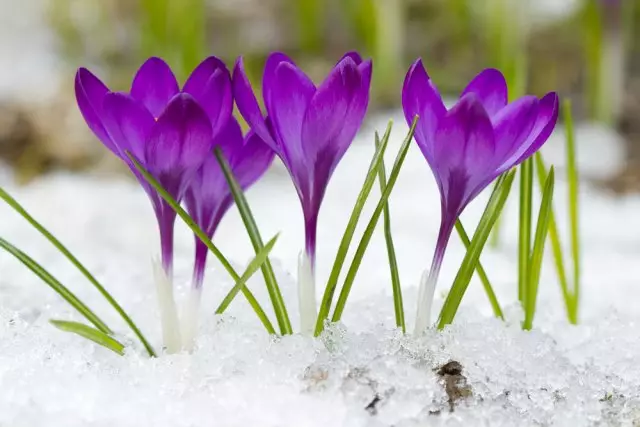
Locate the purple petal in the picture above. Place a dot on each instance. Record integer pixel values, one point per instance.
(252, 160)
(291, 92)
(420, 96)
(181, 139)
(543, 127)
(355, 56)
(269, 76)
(154, 85)
(128, 123)
(490, 87)
(208, 197)
(90, 92)
(248, 104)
(326, 114)
(210, 85)
(464, 151)
(512, 126)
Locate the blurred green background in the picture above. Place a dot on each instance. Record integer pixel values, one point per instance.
(588, 50)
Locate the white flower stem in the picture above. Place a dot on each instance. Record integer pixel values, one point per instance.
(189, 317)
(425, 301)
(306, 294)
(167, 306)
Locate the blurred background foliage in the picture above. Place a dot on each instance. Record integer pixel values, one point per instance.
(586, 49)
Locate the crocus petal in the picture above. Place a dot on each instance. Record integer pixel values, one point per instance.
(248, 104)
(420, 96)
(128, 123)
(252, 160)
(269, 76)
(328, 113)
(291, 92)
(181, 138)
(543, 127)
(210, 85)
(90, 93)
(154, 85)
(512, 126)
(490, 87)
(463, 152)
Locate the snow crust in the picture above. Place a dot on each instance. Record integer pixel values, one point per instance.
(363, 372)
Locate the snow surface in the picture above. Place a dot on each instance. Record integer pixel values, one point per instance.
(556, 375)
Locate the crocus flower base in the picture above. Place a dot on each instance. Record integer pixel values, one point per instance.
(167, 307)
(306, 294)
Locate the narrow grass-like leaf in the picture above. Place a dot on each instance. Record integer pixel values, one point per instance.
(524, 230)
(92, 334)
(368, 232)
(391, 252)
(572, 179)
(343, 248)
(556, 245)
(275, 295)
(471, 258)
(203, 238)
(253, 266)
(537, 253)
(64, 251)
(55, 284)
(486, 284)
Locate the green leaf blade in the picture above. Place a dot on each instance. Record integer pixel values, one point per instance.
(524, 226)
(469, 263)
(345, 242)
(486, 284)
(55, 284)
(537, 254)
(368, 233)
(273, 289)
(574, 225)
(91, 334)
(85, 272)
(398, 306)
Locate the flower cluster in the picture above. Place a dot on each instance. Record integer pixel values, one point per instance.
(172, 131)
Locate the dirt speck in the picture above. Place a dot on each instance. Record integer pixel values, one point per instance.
(455, 384)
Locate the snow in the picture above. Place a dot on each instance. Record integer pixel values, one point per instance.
(363, 372)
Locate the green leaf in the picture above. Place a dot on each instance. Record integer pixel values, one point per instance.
(572, 179)
(343, 248)
(391, 252)
(275, 295)
(58, 245)
(493, 300)
(54, 284)
(469, 263)
(524, 232)
(90, 333)
(556, 244)
(537, 254)
(253, 266)
(368, 232)
(203, 238)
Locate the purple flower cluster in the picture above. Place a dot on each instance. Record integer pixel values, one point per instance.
(172, 132)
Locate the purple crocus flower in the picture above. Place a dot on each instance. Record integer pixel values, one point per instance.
(470, 145)
(169, 130)
(310, 129)
(208, 197)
